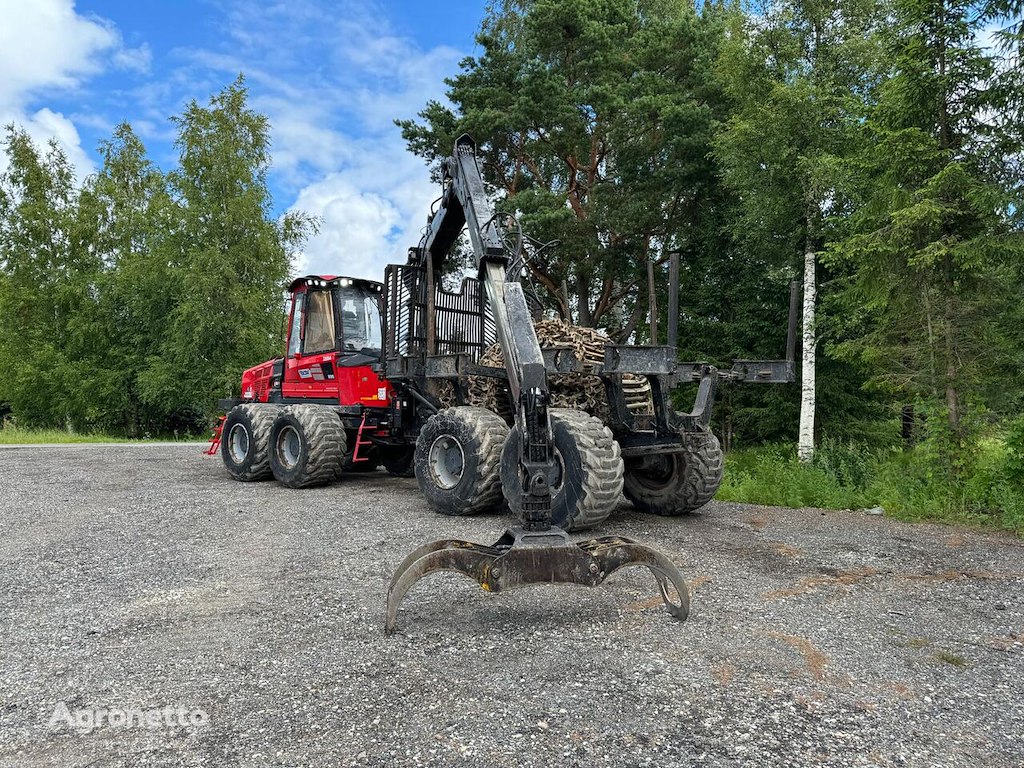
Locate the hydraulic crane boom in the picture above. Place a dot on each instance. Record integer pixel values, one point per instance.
(538, 552)
(465, 203)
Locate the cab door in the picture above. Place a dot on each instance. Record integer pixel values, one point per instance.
(309, 371)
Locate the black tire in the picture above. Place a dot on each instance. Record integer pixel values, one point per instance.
(589, 485)
(674, 484)
(399, 461)
(503, 404)
(307, 445)
(245, 441)
(457, 458)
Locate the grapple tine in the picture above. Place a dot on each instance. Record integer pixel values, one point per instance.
(433, 546)
(615, 553)
(463, 557)
(521, 558)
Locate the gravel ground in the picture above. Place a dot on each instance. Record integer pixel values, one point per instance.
(142, 577)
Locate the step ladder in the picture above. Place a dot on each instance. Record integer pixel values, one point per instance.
(360, 442)
(215, 437)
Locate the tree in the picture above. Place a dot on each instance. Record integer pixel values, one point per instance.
(930, 246)
(131, 304)
(227, 259)
(44, 280)
(128, 216)
(800, 75)
(1004, 164)
(595, 121)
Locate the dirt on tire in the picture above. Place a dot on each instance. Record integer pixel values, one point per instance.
(678, 483)
(255, 420)
(590, 465)
(478, 435)
(320, 450)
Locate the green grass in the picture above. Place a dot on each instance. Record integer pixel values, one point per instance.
(909, 485)
(10, 435)
(772, 475)
(951, 658)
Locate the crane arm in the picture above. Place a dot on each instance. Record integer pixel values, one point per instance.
(465, 203)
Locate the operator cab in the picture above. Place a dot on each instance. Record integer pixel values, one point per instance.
(335, 314)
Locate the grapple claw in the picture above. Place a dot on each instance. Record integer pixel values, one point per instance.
(615, 552)
(520, 558)
(445, 555)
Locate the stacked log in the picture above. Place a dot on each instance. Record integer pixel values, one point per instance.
(582, 390)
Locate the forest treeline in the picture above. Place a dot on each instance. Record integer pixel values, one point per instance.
(130, 303)
(874, 145)
(879, 141)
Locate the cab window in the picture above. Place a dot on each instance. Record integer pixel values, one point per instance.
(294, 333)
(319, 335)
(360, 321)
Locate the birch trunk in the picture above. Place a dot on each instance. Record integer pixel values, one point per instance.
(805, 446)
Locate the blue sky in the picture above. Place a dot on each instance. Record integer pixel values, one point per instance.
(331, 76)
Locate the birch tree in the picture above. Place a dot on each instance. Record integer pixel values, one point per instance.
(800, 76)
(44, 282)
(229, 258)
(126, 216)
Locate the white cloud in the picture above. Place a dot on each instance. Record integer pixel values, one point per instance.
(44, 125)
(45, 45)
(304, 144)
(331, 95)
(136, 59)
(356, 226)
(330, 76)
(413, 80)
(372, 211)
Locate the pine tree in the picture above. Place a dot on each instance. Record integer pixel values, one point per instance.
(595, 122)
(931, 241)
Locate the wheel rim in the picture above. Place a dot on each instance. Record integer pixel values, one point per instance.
(556, 485)
(447, 462)
(654, 472)
(289, 446)
(238, 443)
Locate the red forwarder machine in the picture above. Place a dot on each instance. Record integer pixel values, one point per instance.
(374, 376)
(323, 406)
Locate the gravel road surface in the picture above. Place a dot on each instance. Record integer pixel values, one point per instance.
(245, 622)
